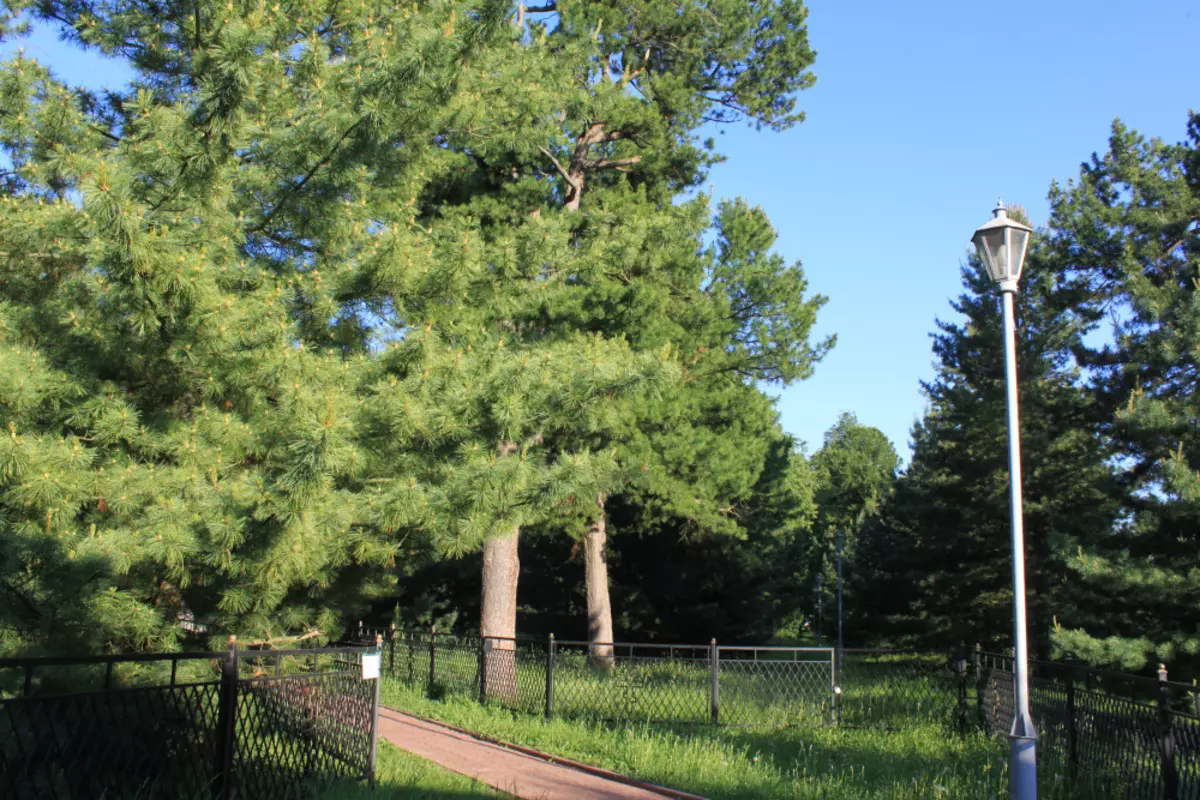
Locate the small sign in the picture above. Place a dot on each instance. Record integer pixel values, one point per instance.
(371, 663)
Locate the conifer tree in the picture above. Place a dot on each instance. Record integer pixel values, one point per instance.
(854, 474)
(1127, 230)
(606, 103)
(938, 563)
(204, 266)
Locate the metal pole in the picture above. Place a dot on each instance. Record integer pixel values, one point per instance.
(714, 675)
(819, 614)
(840, 537)
(372, 756)
(224, 787)
(1023, 736)
(550, 653)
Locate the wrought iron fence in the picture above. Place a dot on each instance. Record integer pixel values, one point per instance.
(262, 724)
(1137, 737)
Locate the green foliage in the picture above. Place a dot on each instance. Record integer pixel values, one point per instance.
(936, 566)
(242, 375)
(1126, 230)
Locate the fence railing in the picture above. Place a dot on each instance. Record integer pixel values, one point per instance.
(238, 723)
(690, 684)
(1137, 737)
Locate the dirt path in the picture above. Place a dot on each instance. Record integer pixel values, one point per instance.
(520, 774)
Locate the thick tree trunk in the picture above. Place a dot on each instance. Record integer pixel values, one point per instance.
(599, 606)
(498, 615)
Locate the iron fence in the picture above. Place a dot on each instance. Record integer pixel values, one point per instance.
(262, 724)
(893, 689)
(687, 684)
(1135, 736)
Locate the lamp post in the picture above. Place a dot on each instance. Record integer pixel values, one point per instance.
(840, 537)
(819, 614)
(1001, 244)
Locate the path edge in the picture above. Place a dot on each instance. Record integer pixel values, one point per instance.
(599, 772)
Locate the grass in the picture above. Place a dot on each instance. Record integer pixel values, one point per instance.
(402, 775)
(927, 762)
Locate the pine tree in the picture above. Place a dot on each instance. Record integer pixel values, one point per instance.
(186, 429)
(1127, 230)
(599, 137)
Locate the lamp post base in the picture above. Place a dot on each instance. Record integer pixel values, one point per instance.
(1022, 779)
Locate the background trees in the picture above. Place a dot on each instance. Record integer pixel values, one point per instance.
(331, 305)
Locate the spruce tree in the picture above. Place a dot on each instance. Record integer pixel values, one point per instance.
(938, 562)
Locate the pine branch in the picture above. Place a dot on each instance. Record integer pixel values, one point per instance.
(299, 186)
(561, 169)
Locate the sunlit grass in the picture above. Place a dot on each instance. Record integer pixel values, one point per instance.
(925, 760)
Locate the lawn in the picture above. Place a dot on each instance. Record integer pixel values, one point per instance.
(928, 761)
(900, 738)
(402, 775)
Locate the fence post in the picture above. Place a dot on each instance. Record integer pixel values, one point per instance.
(982, 670)
(392, 651)
(432, 656)
(375, 716)
(960, 669)
(412, 656)
(714, 660)
(483, 642)
(1166, 738)
(227, 722)
(1072, 730)
(551, 652)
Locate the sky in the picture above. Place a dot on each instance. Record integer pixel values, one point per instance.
(922, 115)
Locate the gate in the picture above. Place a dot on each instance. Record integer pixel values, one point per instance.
(773, 685)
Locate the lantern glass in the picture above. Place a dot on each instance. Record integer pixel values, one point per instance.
(993, 252)
(1001, 245)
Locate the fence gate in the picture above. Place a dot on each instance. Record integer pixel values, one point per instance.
(773, 685)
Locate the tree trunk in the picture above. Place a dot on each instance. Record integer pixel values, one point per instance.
(599, 606)
(498, 615)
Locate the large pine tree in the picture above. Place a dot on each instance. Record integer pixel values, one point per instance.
(1129, 230)
(597, 139)
(206, 278)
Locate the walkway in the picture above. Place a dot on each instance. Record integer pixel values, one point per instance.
(521, 774)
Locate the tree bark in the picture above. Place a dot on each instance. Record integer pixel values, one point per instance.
(599, 605)
(498, 615)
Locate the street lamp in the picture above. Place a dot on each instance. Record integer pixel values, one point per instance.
(1001, 244)
(819, 609)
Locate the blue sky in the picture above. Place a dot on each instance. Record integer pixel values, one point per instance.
(922, 115)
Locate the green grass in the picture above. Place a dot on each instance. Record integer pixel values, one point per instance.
(403, 775)
(928, 760)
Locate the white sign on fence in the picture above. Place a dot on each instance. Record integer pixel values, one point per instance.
(371, 663)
